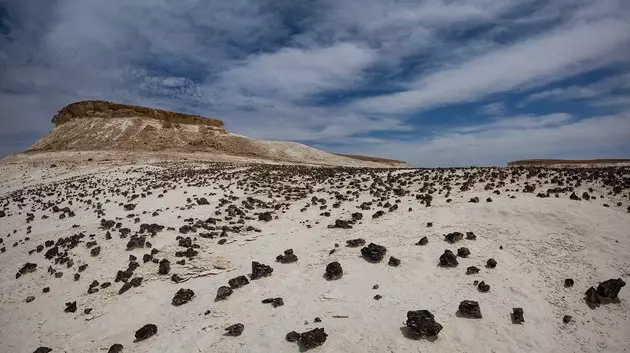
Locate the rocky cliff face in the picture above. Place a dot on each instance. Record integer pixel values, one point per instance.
(103, 109)
(110, 127)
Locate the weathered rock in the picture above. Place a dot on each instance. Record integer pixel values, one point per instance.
(378, 297)
(463, 252)
(483, 287)
(235, 330)
(165, 267)
(448, 259)
(471, 236)
(313, 338)
(373, 252)
(182, 296)
(422, 323)
(567, 318)
(333, 271)
(517, 315)
(287, 258)
(70, 307)
(145, 332)
(610, 289)
(474, 200)
(223, 293)
(568, 282)
(470, 309)
(393, 261)
(292, 336)
(355, 243)
(43, 350)
(423, 241)
(30, 298)
(95, 251)
(491, 263)
(265, 216)
(453, 237)
(27, 268)
(472, 270)
(115, 348)
(275, 302)
(260, 270)
(238, 282)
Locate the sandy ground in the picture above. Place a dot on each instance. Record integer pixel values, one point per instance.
(544, 241)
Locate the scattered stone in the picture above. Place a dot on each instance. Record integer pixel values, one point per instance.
(287, 258)
(43, 350)
(275, 302)
(567, 318)
(474, 200)
(453, 237)
(235, 330)
(182, 296)
(606, 292)
(491, 263)
(292, 336)
(355, 243)
(378, 297)
(448, 259)
(313, 338)
(238, 282)
(517, 315)
(165, 267)
(115, 348)
(568, 282)
(470, 309)
(373, 253)
(71, 307)
(375, 286)
(483, 287)
(146, 331)
(463, 252)
(223, 293)
(333, 271)
(46, 289)
(423, 241)
(393, 261)
(30, 298)
(260, 270)
(471, 236)
(422, 323)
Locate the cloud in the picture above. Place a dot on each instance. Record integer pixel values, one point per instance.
(496, 108)
(536, 61)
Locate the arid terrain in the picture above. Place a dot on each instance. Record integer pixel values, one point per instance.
(161, 250)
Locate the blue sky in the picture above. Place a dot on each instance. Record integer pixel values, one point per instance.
(435, 83)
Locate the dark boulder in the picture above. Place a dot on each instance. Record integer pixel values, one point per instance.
(238, 282)
(463, 252)
(448, 259)
(165, 267)
(333, 271)
(393, 261)
(483, 287)
(491, 263)
(568, 282)
(235, 330)
(472, 270)
(260, 270)
(355, 243)
(182, 296)
(115, 348)
(421, 323)
(470, 309)
(292, 336)
(145, 332)
(373, 252)
(313, 338)
(223, 293)
(517, 315)
(287, 258)
(275, 302)
(453, 237)
(423, 241)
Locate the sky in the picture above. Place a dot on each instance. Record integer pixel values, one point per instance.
(434, 82)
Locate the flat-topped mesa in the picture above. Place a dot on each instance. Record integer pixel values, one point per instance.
(104, 109)
(566, 162)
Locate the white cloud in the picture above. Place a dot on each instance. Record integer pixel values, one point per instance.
(496, 108)
(519, 122)
(535, 61)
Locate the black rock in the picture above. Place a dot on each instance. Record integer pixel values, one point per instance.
(235, 330)
(265, 216)
(373, 252)
(463, 252)
(165, 267)
(610, 289)
(260, 270)
(43, 350)
(146, 331)
(46, 289)
(453, 237)
(393, 261)
(517, 315)
(292, 336)
(470, 309)
(472, 270)
(182, 296)
(423, 241)
(483, 287)
(568, 282)
(491, 263)
(471, 236)
(238, 282)
(28, 268)
(95, 251)
(223, 293)
(313, 338)
(333, 271)
(378, 297)
(30, 298)
(448, 259)
(71, 307)
(125, 287)
(422, 323)
(275, 302)
(474, 200)
(567, 318)
(287, 258)
(355, 243)
(115, 348)
(176, 278)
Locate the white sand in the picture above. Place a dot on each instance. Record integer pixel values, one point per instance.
(544, 241)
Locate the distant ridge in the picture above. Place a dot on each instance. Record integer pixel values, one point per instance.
(550, 162)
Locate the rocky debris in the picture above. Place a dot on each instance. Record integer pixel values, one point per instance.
(448, 259)
(265, 216)
(235, 330)
(202, 201)
(115, 348)
(46, 289)
(423, 241)
(606, 292)
(483, 287)
(292, 336)
(165, 267)
(472, 270)
(474, 200)
(275, 302)
(469, 309)
(421, 323)
(373, 253)
(176, 278)
(378, 297)
(26, 268)
(260, 270)
(355, 243)
(567, 318)
(145, 332)
(182, 296)
(95, 251)
(393, 261)
(574, 197)
(333, 271)
(30, 298)
(568, 282)
(287, 258)
(223, 293)
(238, 282)
(313, 338)
(70, 307)
(463, 252)
(517, 315)
(342, 224)
(471, 236)
(43, 350)
(491, 263)
(453, 237)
